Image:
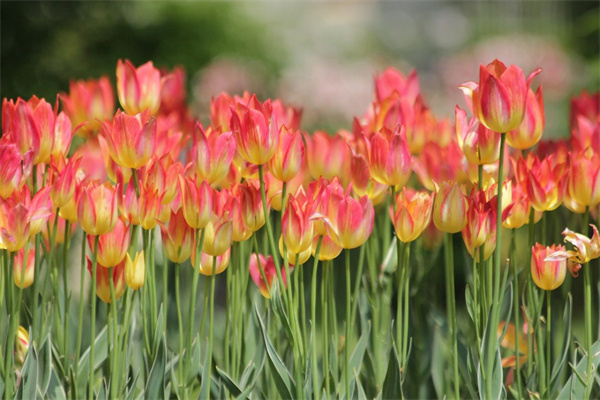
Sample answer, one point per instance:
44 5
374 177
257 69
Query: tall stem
66 245
587 305
313 315
114 358
180 323
347 340
93 319
548 340
81 305
211 326
516 305
324 328
531 237
451 308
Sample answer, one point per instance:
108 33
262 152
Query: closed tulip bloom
172 91
361 180
213 153
329 248
251 206
90 101
218 236
112 246
177 238
135 271
352 221
150 207
162 175
63 187
288 157
518 215
413 214
21 345
196 201
327 156
22 217
481 221
480 145
531 128
138 89
207 262
393 81
255 130
240 231
296 226
499 99
390 159
15 168
584 179
24 260
268 267
103 280
547 275
546 183
291 256
130 139
450 208
97 208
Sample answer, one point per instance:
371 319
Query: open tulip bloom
156 256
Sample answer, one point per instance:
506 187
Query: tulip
547 275
103 280
413 214
519 213
546 183
207 262
499 99
393 81
450 207
362 184
481 223
251 206
63 187
196 201
212 154
172 91
586 249
584 179
22 217
351 220
297 229
531 128
112 246
327 156
438 163
178 238
480 145
255 131
329 248
15 169
21 345
97 208
288 158
150 207
218 236
291 256
390 159
90 102
135 271
130 139
268 267
138 89
27 261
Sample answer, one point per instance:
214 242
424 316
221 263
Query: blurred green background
321 56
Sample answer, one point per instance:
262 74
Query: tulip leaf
84 361
561 361
30 375
45 367
359 350
205 375
155 388
574 388
469 302
439 350
360 390
228 382
283 379
391 384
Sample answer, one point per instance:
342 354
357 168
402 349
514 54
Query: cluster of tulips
209 190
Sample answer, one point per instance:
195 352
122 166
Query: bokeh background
320 56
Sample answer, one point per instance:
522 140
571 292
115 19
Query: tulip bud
26 260
518 215
450 208
547 275
213 153
218 236
352 220
135 271
21 345
296 227
207 262
268 268
584 180
63 188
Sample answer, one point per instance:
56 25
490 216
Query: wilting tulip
130 139
27 261
547 275
212 154
413 214
135 271
112 246
207 262
90 101
268 267
480 145
138 89
584 180
177 238
531 128
390 159
499 99
97 208
546 183
288 157
450 208
103 280
21 345
255 130
196 201
296 226
586 249
15 169
351 220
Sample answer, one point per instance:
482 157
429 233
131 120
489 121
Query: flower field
145 253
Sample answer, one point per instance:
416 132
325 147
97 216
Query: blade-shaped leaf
155 387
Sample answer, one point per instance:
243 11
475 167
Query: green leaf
155 387
30 374
574 388
391 384
205 375
283 379
438 361
561 361
469 302
45 367
359 350
84 361
360 391
233 388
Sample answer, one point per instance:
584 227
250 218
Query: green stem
165 298
541 362
451 307
300 273
516 310
12 317
531 236
180 323
313 314
548 339
355 293
81 304
205 304
324 328
406 307
587 306
93 319
207 373
114 378
400 248
348 330
66 246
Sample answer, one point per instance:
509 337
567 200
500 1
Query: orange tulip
130 139
213 153
138 89
351 221
289 155
584 179
413 214
547 275
177 238
390 159
97 208
546 183
480 145
196 201
531 128
297 228
112 246
450 207
103 280
27 261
